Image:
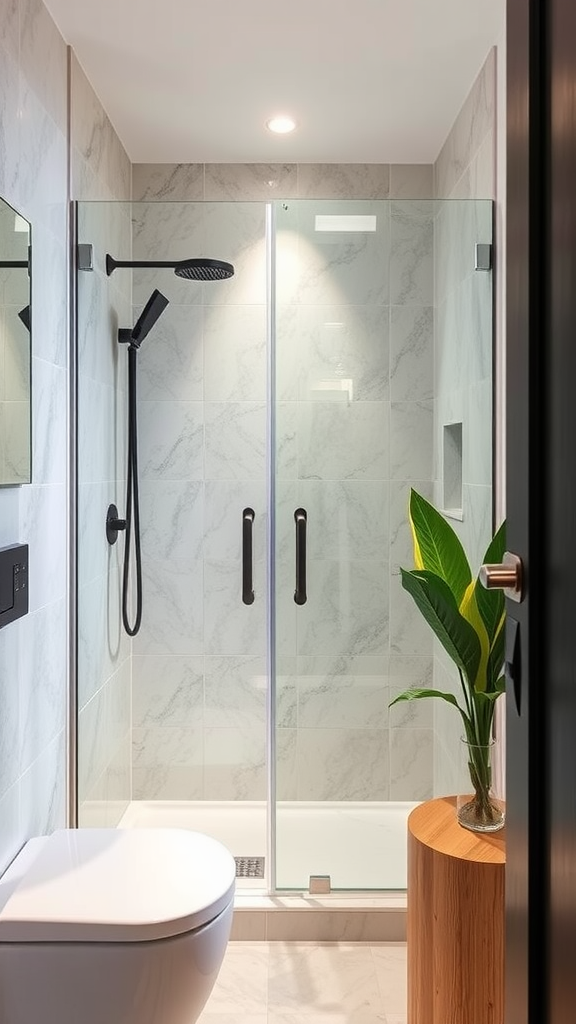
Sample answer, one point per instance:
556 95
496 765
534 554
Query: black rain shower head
134 336
202 269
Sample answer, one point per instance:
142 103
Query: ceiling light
281 124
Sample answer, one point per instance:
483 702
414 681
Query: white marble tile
99 452
286 764
343 181
93 135
411 763
285 340
343 353
401 543
10 27
171 362
342 440
9 699
225 501
235 446
42 516
236 233
43 791
286 438
477 515
411 253
475 322
343 701
163 746
325 979
161 182
411 439
230 626
172 611
10 137
180 782
16 430
411 353
235 692
346 611
286 693
16 355
167 690
171 436
390 961
405 673
475 119
42 672
343 764
102 643
43 58
411 181
235 354
235 763
11 838
241 182
171 523
477 436
95 556
410 634
241 987
102 310
48 281
42 176
49 422
347 519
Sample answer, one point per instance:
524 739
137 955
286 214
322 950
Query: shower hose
132 504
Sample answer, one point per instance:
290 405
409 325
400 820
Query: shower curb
308 919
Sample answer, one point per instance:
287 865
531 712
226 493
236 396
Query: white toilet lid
114 885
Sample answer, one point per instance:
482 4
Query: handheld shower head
134 336
199 269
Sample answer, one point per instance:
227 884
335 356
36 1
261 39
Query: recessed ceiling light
281 124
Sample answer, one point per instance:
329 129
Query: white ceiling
369 81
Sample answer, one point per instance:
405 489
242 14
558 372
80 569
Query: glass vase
477 807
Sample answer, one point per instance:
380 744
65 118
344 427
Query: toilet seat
114 885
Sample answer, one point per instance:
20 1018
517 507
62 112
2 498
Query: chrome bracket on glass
483 256
85 256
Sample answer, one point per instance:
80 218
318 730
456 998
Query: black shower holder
113 524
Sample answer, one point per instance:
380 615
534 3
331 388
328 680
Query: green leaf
418 694
436 602
437 547
491 603
469 611
496 656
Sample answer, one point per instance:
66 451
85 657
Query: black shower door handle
247 583
300 518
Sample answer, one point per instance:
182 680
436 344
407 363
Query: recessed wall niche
452 469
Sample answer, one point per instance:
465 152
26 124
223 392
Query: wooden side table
455 919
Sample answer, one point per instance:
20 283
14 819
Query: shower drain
249 867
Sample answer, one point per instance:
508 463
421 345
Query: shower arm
112 264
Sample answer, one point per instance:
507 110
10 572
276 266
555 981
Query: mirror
15 346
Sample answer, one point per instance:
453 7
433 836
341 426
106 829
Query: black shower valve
113 524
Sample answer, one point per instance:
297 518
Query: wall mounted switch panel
13 583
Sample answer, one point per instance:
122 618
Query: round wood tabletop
434 824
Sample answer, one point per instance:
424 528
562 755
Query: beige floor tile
321 979
390 963
242 985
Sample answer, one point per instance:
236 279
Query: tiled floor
310 983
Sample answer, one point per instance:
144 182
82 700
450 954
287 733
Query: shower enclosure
283 416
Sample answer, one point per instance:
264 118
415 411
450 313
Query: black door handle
247 584
300 518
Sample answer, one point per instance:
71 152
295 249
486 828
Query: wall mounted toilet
114 926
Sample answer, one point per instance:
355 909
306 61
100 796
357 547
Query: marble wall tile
477 440
234 763
286 692
225 501
41 517
343 353
235 445
406 673
343 764
342 702
411 253
474 121
10 27
347 609
236 233
49 422
172 612
171 439
41 180
167 763
10 134
49 278
43 791
235 693
286 764
93 135
411 353
235 354
231 627
167 691
411 438
343 440
163 182
10 834
241 182
347 519
410 634
102 644
411 764
343 181
171 362
411 181
42 671
43 59
168 782
171 523
9 685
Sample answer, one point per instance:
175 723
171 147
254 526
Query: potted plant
469 622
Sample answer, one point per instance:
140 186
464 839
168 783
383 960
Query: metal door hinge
85 256
483 256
